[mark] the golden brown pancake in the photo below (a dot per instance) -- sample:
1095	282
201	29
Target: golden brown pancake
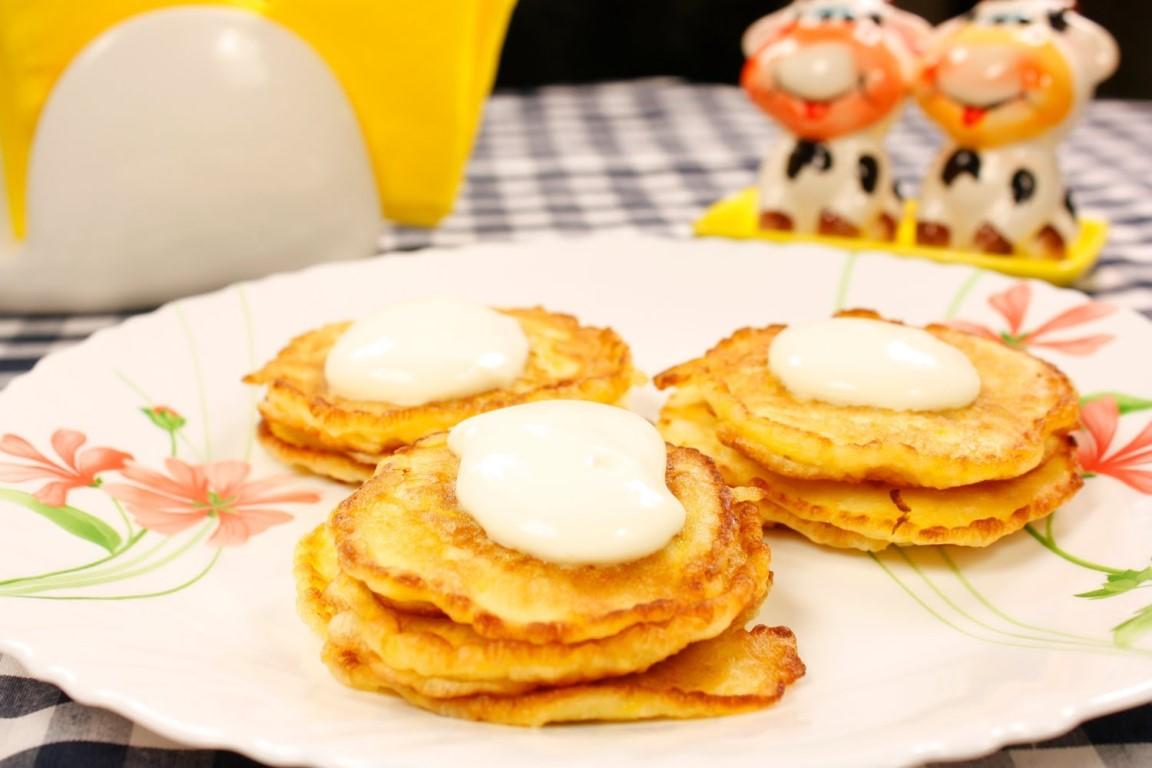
318	461
346	630
505	637
687	421
339	437
871	515
818	533
331	618
1005	433
404	536
739	671
436	647
972	516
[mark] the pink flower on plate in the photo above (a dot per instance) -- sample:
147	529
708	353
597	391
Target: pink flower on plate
1100	419
173	502
78	469
1013	304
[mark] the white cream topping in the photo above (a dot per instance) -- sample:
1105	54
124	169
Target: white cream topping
567	481
416	352
855	361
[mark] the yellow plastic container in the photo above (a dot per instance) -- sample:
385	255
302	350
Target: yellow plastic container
737	217
417	73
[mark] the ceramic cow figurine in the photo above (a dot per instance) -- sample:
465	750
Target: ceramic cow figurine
1006	83
833	74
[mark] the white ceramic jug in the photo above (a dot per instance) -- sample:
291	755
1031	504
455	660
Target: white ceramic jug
181	150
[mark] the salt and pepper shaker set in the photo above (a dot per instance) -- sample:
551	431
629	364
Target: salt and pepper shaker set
1005	82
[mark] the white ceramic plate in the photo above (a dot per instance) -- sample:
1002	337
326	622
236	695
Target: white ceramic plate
913	656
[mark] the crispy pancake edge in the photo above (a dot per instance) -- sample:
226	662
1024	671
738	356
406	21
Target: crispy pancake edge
331	619
296	394
686	420
818	533
325	463
913	529
730	575
344	612
795	451
668	690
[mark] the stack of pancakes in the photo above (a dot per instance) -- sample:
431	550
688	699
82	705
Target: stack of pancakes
411	597
865	477
306	425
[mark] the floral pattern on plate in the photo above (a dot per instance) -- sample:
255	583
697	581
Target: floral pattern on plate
956	653
216	498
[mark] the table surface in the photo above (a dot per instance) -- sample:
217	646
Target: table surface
641	156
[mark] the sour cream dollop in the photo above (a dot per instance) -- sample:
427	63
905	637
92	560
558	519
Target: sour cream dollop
856	361
417	352
567	481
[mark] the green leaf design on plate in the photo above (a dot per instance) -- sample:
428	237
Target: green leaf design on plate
164	417
1128	403
74	521
1016	342
1127	633
1119	584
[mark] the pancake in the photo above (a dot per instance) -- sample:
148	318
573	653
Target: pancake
403	535
566	361
436	647
347	631
1023	402
876	513
972	516
687	421
739	671
818	533
315	566
319	461
330	617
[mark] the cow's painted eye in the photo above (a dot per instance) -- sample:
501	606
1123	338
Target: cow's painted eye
835	13
877	19
1004	19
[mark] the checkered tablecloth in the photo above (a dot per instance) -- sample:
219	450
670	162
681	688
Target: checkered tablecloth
647	155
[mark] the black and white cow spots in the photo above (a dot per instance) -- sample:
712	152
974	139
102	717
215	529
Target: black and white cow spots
869	173
808	154
1023	186
962	162
843	187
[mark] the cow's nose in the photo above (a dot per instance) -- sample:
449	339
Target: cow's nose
982	75
818	72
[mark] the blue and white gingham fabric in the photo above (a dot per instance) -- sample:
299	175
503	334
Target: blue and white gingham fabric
643	156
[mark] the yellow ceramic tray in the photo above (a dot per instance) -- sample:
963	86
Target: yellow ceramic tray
737	217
